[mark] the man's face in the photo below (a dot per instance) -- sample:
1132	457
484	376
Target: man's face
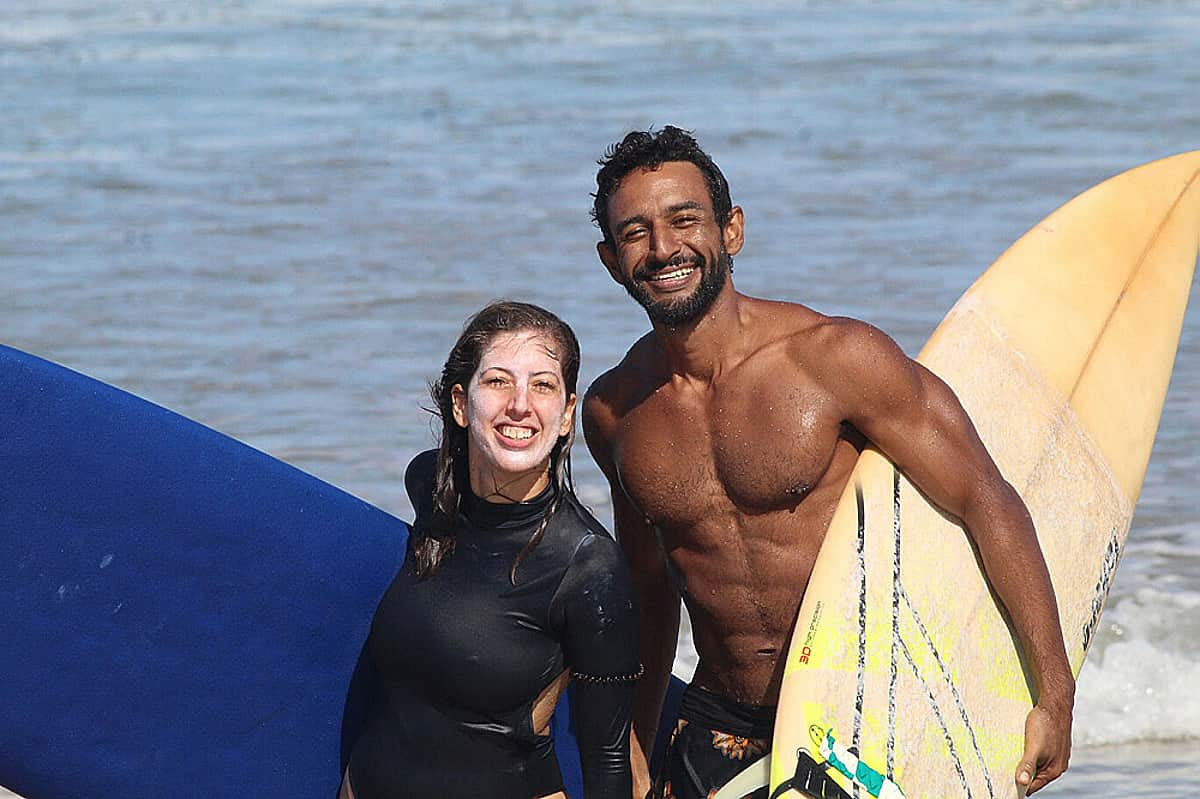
669	253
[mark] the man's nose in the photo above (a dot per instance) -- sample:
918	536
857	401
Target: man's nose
664	243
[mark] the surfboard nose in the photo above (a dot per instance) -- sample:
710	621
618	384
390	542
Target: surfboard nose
1098	288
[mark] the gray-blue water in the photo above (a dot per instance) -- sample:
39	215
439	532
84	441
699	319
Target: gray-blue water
274	216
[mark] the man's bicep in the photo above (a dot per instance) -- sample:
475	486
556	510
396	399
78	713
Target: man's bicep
599	431
638	539
633	531
917	421
939	449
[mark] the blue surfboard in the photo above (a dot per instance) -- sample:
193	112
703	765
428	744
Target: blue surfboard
183	615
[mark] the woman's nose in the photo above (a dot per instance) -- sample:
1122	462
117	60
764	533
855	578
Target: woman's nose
518	401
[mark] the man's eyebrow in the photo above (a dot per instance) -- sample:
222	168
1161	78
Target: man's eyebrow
629	220
686	205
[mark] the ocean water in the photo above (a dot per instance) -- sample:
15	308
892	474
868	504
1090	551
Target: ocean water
273	217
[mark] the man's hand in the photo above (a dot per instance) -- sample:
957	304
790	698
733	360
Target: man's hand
1047	748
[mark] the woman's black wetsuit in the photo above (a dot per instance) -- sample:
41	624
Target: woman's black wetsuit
464	654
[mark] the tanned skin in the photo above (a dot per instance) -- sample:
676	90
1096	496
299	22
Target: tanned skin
727	441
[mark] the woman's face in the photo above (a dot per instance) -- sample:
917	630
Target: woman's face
514	410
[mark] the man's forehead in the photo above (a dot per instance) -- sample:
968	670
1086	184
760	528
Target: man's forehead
680	179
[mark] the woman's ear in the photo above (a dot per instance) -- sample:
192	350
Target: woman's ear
568	417
458	402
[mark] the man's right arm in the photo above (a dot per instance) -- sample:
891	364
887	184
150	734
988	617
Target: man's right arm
658	601
659	607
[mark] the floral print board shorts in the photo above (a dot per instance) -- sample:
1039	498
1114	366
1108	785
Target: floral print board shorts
714	740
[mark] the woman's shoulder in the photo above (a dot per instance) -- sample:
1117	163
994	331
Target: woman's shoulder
421	469
592	548
419	480
578	524
595	600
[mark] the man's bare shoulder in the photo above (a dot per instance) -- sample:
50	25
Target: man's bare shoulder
614	388
609	398
814	337
807	335
846	357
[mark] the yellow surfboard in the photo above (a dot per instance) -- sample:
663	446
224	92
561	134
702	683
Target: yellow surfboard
903	678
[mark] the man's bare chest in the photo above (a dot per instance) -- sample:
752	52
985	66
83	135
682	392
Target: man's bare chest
755	451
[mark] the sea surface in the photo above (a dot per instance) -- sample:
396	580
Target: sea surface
273	217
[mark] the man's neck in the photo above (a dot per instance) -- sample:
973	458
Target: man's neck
708	346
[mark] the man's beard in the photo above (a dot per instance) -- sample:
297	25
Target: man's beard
673	313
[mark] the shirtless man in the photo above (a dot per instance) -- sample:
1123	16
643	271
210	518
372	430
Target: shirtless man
727	434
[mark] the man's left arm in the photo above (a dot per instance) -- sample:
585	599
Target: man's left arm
918	422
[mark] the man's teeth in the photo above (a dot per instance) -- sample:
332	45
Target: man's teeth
519	433
674	273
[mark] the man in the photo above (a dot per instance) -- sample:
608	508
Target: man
727	434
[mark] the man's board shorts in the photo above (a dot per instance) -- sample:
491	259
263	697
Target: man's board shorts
714	740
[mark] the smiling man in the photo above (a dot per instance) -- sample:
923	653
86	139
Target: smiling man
727	434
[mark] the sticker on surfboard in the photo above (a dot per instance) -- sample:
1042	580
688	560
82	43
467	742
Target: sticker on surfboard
815	769
851	767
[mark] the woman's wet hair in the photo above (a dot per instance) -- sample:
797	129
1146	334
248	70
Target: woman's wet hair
452	473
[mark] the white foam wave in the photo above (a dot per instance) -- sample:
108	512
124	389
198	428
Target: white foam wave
1138	683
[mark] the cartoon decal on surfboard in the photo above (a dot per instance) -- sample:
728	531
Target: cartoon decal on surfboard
846	762
811	779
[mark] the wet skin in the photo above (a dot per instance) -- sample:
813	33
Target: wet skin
728	440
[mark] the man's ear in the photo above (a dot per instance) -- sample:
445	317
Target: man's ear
734	232
609	259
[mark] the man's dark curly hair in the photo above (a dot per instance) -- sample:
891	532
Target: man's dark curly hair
644	148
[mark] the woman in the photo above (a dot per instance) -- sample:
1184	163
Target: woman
510	588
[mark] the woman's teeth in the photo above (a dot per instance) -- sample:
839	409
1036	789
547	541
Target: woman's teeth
516	433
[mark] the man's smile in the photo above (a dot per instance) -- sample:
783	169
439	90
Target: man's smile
670	276
674	274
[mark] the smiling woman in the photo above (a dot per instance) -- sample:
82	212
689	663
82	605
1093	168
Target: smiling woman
509	591
517	412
